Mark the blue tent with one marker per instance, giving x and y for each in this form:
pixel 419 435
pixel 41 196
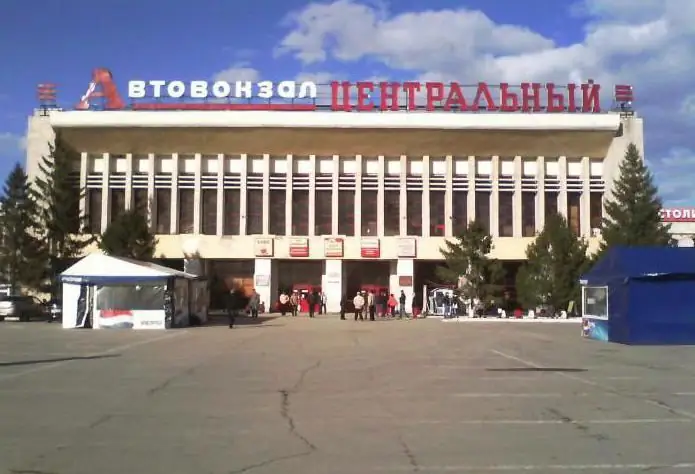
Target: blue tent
pixel 641 295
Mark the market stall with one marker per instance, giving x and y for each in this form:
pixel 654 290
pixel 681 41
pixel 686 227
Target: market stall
pixel 101 291
pixel 640 295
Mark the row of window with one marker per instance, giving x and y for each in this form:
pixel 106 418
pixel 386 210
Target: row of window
pixel 160 209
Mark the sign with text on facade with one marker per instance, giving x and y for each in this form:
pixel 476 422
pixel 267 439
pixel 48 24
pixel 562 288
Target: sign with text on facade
pixel 678 214
pixel 407 247
pixel 299 247
pixel 262 280
pixel 333 247
pixel 345 96
pixel 263 247
pixel 370 247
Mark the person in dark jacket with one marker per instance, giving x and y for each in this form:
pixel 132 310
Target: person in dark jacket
pixel 314 301
pixel 232 302
pixel 343 305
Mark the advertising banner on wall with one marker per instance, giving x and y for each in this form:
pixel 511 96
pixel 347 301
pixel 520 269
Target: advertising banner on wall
pixel 263 247
pixel 370 247
pixel 407 247
pixel 333 247
pixel 299 247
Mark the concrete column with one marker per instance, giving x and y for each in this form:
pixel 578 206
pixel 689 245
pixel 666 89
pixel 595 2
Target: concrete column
pixel 358 200
pixel 312 194
pixel 405 268
pixel 585 202
pixel 263 280
pixel 540 195
pixel 472 171
pixel 220 195
pixel 242 194
pixel 288 195
pixel 197 195
pixel 495 198
pixel 380 196
pixel 332 284
pixel 403 198
pixel 128 181
pixel 562 176
pixel 106 193
pixel 518 173
pixel 448 197
pixel 426 197
pixel 266 194
pixel 334 195
pixel 84 170
pixel 174 229
pixel 151 203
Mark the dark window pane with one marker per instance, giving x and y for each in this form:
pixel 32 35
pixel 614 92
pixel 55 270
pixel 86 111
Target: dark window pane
pixel 574 211
pixel 254 212
pixel 74 204
pixel 482 209
pixel 460 212
pixel 209 211
pixel 117 204
pixel 94 210
pixel 186 204
pixel 300 212
pixel 232 211
pixel 596 209
pixel 140 202
pixel 528 214
pixel 346 213
pixel 506 214
pixel 278 211
pixel 437 213
pixel 369 213
pixel 413 211
pixel 550 204
pixel 323 213
pixel 163 202
pixel 392 212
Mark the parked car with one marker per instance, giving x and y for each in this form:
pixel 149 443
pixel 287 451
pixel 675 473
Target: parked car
pixel 23 307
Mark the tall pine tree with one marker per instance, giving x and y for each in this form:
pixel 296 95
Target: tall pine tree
pixel 467 255
pixel 22 253
pixel 555 261
pixel 128 235
pixel 632 214
pixel 59 199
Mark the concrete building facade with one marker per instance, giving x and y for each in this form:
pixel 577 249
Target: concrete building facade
pixel 313 197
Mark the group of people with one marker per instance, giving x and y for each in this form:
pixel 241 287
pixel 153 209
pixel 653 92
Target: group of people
pixel 237 302
pixel 292 303
pixel 367 304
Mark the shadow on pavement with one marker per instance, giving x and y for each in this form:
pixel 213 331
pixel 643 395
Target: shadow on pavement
pixel 537 369
pixel 240 321
pixel 58 359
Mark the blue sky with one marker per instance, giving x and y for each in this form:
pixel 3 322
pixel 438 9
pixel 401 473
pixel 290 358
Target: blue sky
pixel 647 44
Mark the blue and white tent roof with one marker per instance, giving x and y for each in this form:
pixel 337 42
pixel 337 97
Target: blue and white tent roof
pixel 99 267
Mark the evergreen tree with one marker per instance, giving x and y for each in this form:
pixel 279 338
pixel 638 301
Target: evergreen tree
pixel 632 214
pixel 128 235
pixel 59 200
pixel 467 256
pixel 22 253
pixel 555 261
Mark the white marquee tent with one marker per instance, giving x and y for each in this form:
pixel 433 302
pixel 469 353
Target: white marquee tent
pixel 101 291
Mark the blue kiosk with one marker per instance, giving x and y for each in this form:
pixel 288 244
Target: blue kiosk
pixel 641 295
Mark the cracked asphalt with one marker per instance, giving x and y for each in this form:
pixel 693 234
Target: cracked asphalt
pixel 300 396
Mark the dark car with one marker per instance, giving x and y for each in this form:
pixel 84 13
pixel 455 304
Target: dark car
pixel 23 307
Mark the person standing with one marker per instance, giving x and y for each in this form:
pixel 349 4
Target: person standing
pixel 294 303
pixel 358 302
pixel 232 301
pixel 314 300
pixel 284 303
pixel 343 305
pixel 324 302
pixel 391 304
pixel 401 305
pixel 254 303
pixel 371 302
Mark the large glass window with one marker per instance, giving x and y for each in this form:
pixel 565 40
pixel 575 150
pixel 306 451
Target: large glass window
pixel 506 214
pixel 140 297
pixel 482 209
pixel 595 301
pixel 254 212
pixel 117 203
pixel 392 212
pixel 528 214
pixel 460 212
pixel 369 213
pixel 186 205
pixel 94 210
pixel 596 209
pixel 140 201
pixel 437 213
pixel 323 213
pixel 346 212
pixel 163 204
pixel 232 211
pixel 300 212
pixel 574 211
pixel 551 204
pixel 209 209
pixel 278 212
pixel 414 213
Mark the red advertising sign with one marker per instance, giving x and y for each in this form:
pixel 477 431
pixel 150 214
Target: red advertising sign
pixel 299 247
pixel 370 247
pixel 678 214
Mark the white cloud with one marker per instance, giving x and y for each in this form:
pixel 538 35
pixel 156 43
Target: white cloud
pixel 648 44
pixel 238 72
